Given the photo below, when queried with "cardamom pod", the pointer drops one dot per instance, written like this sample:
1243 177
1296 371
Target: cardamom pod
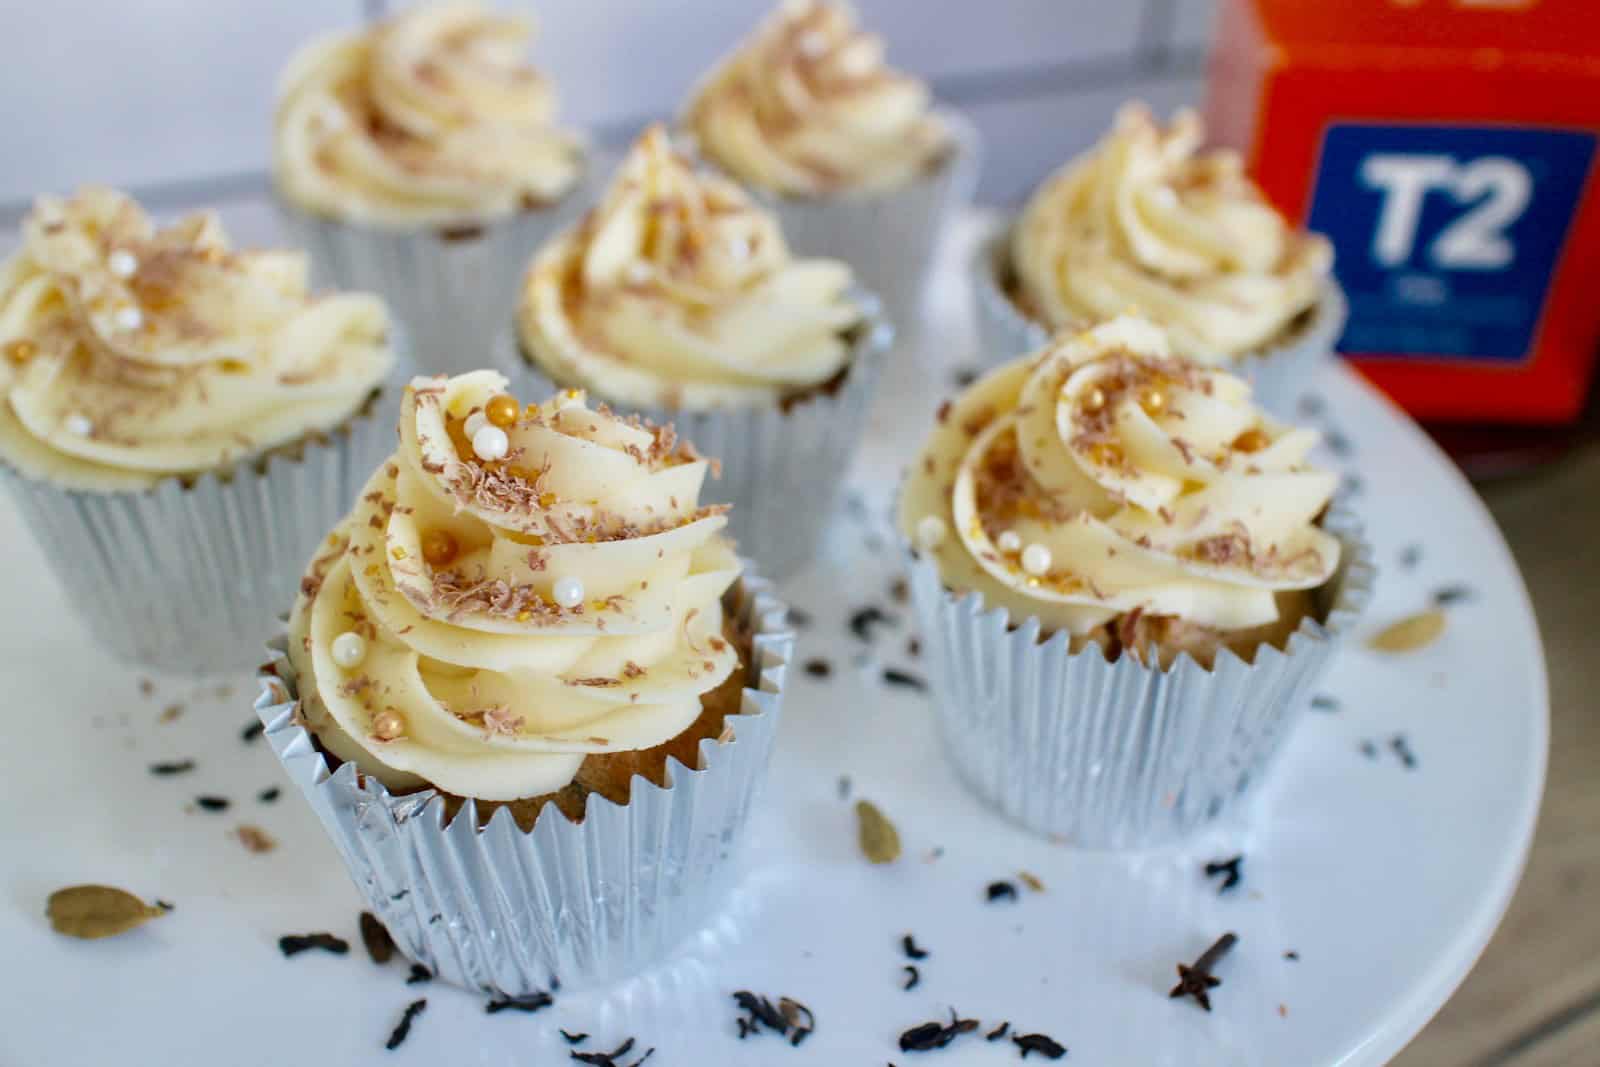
91 911
880 841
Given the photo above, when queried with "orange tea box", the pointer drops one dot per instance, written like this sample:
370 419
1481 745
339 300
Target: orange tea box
1446 147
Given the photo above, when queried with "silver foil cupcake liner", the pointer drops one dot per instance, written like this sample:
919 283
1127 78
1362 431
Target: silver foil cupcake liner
1279 372
453 287
783 465
508 912
187 576
1116 754
890 240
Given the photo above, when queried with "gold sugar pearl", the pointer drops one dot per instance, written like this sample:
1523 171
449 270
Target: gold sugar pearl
439 547
21 351
1154 401
388 725
1106 455
1094 400
1252 440
503 410
547 500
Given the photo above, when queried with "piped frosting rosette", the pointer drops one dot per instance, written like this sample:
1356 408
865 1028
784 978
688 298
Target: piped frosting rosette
678 291
134 353
430 117
808 107
1104 478
516 589
1146 220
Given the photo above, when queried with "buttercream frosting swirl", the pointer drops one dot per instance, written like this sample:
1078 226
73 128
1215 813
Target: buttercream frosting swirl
429 117
479 672
135 353
807 108
1102 477
678 291
1147 221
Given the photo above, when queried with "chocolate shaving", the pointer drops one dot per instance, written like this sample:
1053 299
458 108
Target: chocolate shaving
180 766
375 936
402 1029
294 944
527 1003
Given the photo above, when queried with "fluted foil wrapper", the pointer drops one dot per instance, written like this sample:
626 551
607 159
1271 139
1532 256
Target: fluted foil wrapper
1279 373
453 287
508 912
782 466
187 576
1116 754
890 239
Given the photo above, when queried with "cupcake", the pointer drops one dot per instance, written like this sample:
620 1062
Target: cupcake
527 690
419 158
847 150
180 422
677 296
1147 221
1128 578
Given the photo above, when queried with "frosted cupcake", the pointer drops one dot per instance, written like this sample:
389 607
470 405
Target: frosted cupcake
1128 577
419 157
1145 220
849 151
677 296
178 421
544 690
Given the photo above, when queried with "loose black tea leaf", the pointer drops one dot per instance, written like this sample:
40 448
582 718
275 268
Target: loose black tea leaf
909 944
929 1036
788 1017
402 1029
95 911
1031 881
1230 869
1402 748
1000 891
998 1032
574 1039
527 1003
375 936
170 767
1043 1044
294 944
761 1010
606 1059
1323 702
252 731
904 679
418 975
819 668
1451 594
863 621
212 803
1196 980
913 977
1291 955
269 794
798 618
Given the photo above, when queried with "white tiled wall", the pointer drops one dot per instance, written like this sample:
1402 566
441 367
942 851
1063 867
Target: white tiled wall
173 97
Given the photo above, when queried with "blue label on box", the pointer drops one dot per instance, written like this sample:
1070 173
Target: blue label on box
1447 236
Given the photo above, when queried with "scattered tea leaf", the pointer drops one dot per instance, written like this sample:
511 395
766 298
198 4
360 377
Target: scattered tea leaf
402 1029
255 838
1031 881
269 794
294 944
998 1032
904 679
171 712
212 803
1043 1044
913 977
1000 891
818 668
375 936
1410 633
418 975
880 841
252 731
1451 594
527 1003
574 1039
171 767
94 911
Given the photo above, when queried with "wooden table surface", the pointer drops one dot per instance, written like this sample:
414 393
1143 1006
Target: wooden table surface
1534 998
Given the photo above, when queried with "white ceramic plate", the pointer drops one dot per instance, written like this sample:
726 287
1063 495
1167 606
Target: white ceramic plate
1385 881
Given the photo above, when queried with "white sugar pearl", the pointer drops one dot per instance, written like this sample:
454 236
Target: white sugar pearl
475 422
1036 560
568 592
349 649
122 263
78 424
490 443
129 318
1010 541
931 532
